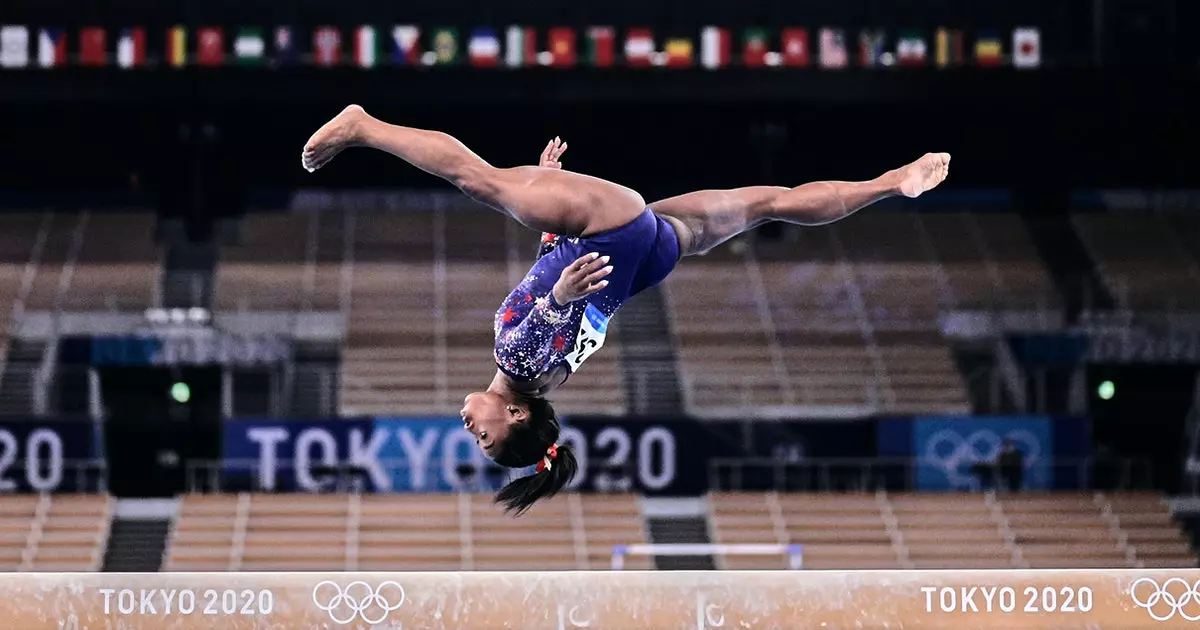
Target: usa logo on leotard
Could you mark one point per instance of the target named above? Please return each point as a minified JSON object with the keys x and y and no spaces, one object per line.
{"x":592,"y":330}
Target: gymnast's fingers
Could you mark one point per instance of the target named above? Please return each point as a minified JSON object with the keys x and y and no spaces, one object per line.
{"x":561,"y":149}
{"x":597,"y":275}
{"x":594,"y":287}
{"x":581,"y":262}
{"x":593,"y":265}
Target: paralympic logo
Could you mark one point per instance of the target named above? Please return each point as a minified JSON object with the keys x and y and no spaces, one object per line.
{"x":358,"y":600}
{"x":1173,"y":603}
{"x":947,"y":450}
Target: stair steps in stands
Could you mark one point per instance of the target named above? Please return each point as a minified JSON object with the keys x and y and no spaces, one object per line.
{"x":652,"y":383}
{"x":20,"y":373}
{"x":675,"y":530}
{"x":136,"y":545}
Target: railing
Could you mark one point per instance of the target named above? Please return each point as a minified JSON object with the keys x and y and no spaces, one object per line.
{"x":83,"y":476}
{"x":742,"y":474}
{"x":903,"y":474}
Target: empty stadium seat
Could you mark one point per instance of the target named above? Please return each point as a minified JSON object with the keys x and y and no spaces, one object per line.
{"x":417,"y":532}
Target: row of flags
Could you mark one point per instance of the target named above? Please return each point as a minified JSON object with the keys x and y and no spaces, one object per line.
{"x":517,"y":46}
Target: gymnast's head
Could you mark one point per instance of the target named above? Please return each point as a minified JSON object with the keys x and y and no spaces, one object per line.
{"x":518,"y":432}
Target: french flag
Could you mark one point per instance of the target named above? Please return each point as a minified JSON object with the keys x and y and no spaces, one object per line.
{"x":52,"y":47}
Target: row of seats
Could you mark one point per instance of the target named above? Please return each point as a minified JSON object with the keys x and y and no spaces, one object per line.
{"x":80,"y":261}
{"x":954,"y":531}
{"x":1147,"y":262}
{"x":396,"y":533}
{"x":251,"y":532}
{"x":842,"y":315}
{"x":849,"y":314}
{"x":53,"y":532}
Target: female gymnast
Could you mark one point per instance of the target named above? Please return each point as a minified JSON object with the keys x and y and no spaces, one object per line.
{"x":614,"y":246}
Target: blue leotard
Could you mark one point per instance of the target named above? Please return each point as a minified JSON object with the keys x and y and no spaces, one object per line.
{"x":534,"y":334}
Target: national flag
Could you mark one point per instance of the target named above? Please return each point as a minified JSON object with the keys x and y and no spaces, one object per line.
{"x":131,"y":47}
{"x":14,"y":46}
{"x":177,"y":47}
{"x":679,"y":52}
{"x":484,"y":48}
{"x":406,"y":45}
{"x":284,"y":52}
{"x":1027,"y":48}
{"x":870,"y":47}
{"x":366,"y":47}
{"x":52,"y":47}
{"x":210,"y":46}
{"x":93,"y":46}
{"x":249,"y":47}
{"x":833,"y":48}
{"x":445,"y":45}
{"x":754,"y":48}
{"x":520,"y":47}
{"x":639,"y":47}
{"x":794,"y":42}
{"x":601,"y":46}
{"x":989,"y":51}
{"x":716,"y":47}
{"x":562,"y":46}
{"x":910,"y":49}
{"x":949,"y":47}
{"x":327,"y":46}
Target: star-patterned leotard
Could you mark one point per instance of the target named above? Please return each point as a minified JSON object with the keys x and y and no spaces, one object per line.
{"x":534,"y":334}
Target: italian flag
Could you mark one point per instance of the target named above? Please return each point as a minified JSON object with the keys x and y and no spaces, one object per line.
{"x":366,"y":47}
{"x":520,"y":47}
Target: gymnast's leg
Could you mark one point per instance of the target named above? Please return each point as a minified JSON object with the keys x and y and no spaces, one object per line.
{"x":545,"y":199}
{"x":711,"y":217}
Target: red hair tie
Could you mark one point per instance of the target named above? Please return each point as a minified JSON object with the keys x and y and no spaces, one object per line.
{"x":551,"y":453}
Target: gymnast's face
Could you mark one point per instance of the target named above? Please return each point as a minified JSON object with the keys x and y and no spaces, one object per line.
{"x":489,"y":417}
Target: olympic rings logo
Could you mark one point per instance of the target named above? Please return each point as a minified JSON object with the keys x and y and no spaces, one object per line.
{"x":1174,"y":603}
{"x":948,"y":451}
{"x":359,"y":600}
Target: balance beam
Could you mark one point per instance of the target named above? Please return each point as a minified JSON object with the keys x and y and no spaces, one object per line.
{"x":661,"y":600}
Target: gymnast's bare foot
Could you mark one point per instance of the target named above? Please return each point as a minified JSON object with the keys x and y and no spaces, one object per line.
{"x":924,"y":174}
{"x":340,"y":133}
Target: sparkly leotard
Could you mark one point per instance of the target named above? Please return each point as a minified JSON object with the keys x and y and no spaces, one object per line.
{"x":534,"y":334}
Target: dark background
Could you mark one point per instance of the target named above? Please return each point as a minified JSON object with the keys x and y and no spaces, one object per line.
{"x":1113,"y":104}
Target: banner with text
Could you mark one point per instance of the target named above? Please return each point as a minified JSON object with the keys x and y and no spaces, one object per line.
{"x":392,"y":454}
{"x":41,"y":456}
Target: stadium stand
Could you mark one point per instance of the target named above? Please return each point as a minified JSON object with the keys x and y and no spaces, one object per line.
{"x":1148,"y":262}
{"x":403,"y":532}
{"x":953,"y":531}
{"x":848,"y":315}
{"x":53,"y":532}
{"x":419,"y":290}
{"x":117,"y":264}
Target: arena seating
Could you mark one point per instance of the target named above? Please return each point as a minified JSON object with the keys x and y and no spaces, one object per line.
{"x":847,"y":315}
{"x":954,"y":531}
{"x":419,"y":290}
{"x":421,"y":333}
{"x":1148,"y":262}
{"x":53,"y":532}
{"x":401,"y":532}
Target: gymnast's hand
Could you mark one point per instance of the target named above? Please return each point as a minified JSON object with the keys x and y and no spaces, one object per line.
{"x":581,"y":278}
{"x":554,"y":149}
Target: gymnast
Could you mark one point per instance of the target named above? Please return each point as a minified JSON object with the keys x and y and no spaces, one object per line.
{"x":602,"y":244}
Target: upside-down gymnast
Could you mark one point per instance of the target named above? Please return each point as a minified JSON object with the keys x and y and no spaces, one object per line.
{"x":602,"y":244}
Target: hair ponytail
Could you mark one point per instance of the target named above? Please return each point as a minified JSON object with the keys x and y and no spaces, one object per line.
{"x":554,"y":472}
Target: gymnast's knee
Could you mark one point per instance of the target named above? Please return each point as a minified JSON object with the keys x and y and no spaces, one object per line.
{"x":480,"y":182}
